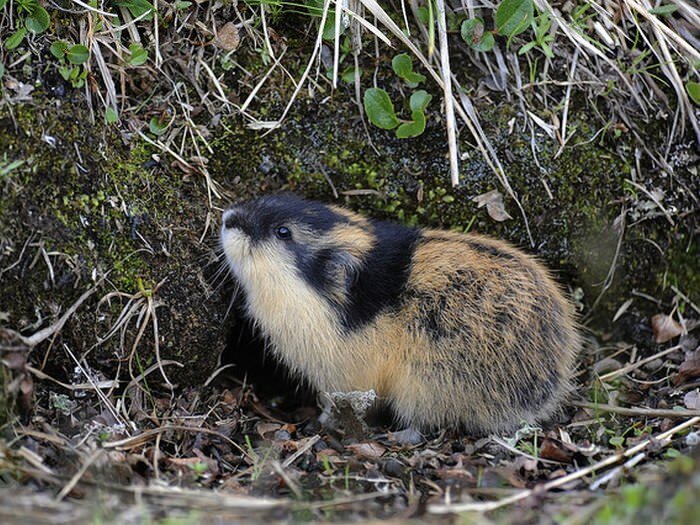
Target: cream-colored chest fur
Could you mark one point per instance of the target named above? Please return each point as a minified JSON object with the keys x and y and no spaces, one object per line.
{"x":303,"y":329}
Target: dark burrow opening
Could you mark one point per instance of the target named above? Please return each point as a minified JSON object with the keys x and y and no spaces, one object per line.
{"x":253,"y":364}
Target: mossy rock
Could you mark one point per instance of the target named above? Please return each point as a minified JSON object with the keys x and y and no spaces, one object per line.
{"x":86,"y":210}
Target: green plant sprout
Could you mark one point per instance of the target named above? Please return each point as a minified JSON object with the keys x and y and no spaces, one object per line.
{"x":380,"y":111}
{"x":71,"y":57}
{"x":512,"y":17}
{"x":31,"y":17}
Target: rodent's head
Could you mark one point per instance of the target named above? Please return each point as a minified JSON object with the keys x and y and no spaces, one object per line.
{"x":277,"y":241}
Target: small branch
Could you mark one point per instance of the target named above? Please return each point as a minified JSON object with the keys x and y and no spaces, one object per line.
{"x":646,"y":412}
{"x":634,"y":366}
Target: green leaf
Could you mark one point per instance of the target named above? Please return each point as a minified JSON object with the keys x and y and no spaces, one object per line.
{"x":547,"y":50}
{"x":65,"y":72}
{"x":472,"y":32}
{"x":78,"y":54}
{"x":111,"y":115}
{"x":487,"y":42}
{"x":693,"y":89}
{"x":664,"y":10}
{"x":527,"y":47}
{"x":182,"y":4}
{"x":350,"y":74}
{"x":329,"y":28}
{"x":2,"y":3}
{"x":514,"y":16}
{"x":617,"y":441}
{"x":157,"y":126}
{"x":138,"y":55}
{"x":16,"y":38}
{"x":403,"y":67}
{"x":38,"y":20}
{"x":420,"y":100}
{"x":380,"y":109}
{"x":414,"y":128}
{"x":423,"y":15}
{"x":59,"y":49}
{"x":138,"y":8}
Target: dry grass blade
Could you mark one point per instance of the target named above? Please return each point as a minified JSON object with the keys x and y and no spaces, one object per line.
{"x":661,"y":49}
{"x":317,"y":47}
{"x":336,"y":41}
{"x":447,"y":89}
{"x":661,"y":27}
{"x":581,"y":42}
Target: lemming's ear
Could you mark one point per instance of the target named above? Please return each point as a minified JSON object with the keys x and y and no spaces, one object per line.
{"x":346,"y":268}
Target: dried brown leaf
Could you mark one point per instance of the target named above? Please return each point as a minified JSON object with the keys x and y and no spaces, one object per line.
{"x":665,"y":328}
{"x":15,"y":360}
{"x":227,"y":37}
{"x":692,"y":400}
{"x":493,"y":200}
{"x":689,"y":369}
{"x":263,"y":428}
{"x":369,"y":449}
{"x":555,"y":450}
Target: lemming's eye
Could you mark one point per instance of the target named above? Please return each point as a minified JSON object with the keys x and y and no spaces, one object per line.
{"x":283,"y":232}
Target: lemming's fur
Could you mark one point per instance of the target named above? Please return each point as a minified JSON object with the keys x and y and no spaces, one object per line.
{"x":450,"y":329}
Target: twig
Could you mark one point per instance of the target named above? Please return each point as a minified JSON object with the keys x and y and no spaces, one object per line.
{"x":40,"y":336}
{"x":637,"y":364}
{"x":137,"y":441}
{"x":686,"y":299}
{"x":306,"y":446}
{"x":514,"y":450}
{"x":646,"y":412}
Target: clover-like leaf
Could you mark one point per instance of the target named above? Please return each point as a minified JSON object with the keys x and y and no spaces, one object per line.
{"x":138,"y":54}
{"x":472,"y":32}
{"x":380,"y":109}
{"x":514,"y":16}
{"x":59,"y":49}
{"x":138,"y":8}
{"x":413,"y":128}
{"x":38,"y":20}
{"x":78,"y":54}
{"x":157,"y":126}
{"x":403,"y":67}
{"x":420,"y":100}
